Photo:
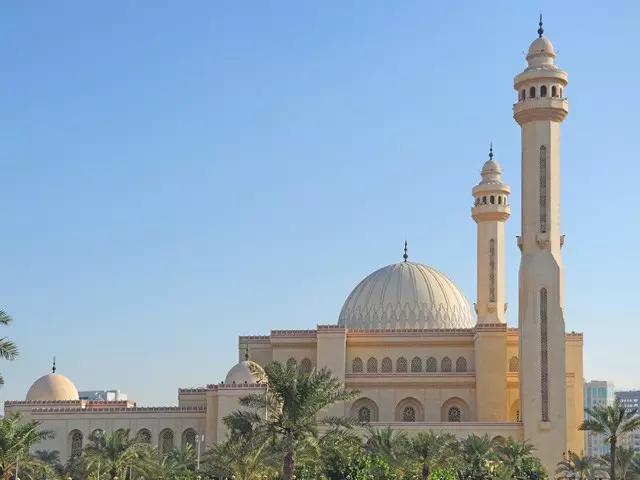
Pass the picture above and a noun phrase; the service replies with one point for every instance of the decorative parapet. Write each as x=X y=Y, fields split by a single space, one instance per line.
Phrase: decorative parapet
x=222 y=386
x=254 y=338
x=43 y=402
x=491 y=327
x=383 y=331
x=187 y=391
x=331 y=327
x=199 y=408
x=291 y=333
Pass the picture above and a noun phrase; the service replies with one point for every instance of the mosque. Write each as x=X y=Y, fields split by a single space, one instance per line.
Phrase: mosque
x=406 y=337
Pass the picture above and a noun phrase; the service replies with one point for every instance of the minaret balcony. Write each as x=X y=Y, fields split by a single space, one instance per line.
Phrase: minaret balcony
x=484 y=213
x=541 y=109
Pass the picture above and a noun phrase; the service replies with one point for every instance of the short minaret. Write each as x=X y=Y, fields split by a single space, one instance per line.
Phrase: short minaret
x=540 y=110
x=490 y=211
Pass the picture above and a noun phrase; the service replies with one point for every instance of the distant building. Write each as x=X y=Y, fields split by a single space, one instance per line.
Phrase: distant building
x=103 y=395
x=597 y=392
x=631 y=399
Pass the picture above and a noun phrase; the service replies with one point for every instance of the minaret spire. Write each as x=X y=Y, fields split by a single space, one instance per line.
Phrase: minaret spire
x=405 y=256
x=540 y=30
x=491 y=151
x=53 y=368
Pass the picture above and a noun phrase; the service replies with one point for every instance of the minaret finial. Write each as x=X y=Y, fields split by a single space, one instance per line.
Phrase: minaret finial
x=53 y=368
x=405 y=256
x=246 y=353
x=540 y=30
x=491 y=151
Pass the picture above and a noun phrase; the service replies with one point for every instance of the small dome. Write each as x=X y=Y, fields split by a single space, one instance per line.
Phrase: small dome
x=241 y=373
x=406 y=295
x=541 y=45
x=491 y=166
x=52 y=387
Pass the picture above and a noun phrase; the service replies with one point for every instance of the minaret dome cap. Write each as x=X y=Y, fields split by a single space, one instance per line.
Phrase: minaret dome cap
x=541 y=46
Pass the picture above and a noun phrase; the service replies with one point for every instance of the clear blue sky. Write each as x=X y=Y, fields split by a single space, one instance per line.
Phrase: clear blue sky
x=178 y=173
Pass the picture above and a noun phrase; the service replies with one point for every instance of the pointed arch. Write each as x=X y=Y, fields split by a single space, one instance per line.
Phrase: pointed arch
x=461 y=364
x=166 y=441
x=292 y=362
x=372 y=365
x=431 y=365
x=387 y=365
x=409 y=409
x=306 y=365
x=356 y=365
x=76 y=440
x=365 y=410
x=445 y=365
x=514 y=364
x=144 y=436
x=189 y=438
x=401 y=365
x=416 y=364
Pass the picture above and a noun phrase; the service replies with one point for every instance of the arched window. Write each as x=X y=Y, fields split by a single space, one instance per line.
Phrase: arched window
x=409 y=414
x=416 y=364
x=445 y=365
x=75 y=439
x=492 y=199
x=356 y=366
x=561 y=92
x=432 y=365
x=307 y=366
x=401 y=365
x=484 y=200
x=514 y=364
x=454 y=414
x=461 y=364
x=292 y=362
x=523 y=94
x=372 y=365
x=144 y=436
x=500 y=200
x=364 y=414
x=477 y=202
x=532 y=92
x=543 y=91
x=387 y=365
x=166 y=441
x=554 y=91
x=189 y=438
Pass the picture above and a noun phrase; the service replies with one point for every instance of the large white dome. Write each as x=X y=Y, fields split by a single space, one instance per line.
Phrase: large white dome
x=52 y=387
x=406 y=295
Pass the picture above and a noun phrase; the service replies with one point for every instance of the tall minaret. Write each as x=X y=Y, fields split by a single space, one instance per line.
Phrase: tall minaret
x=490 y=211
x=540 y=109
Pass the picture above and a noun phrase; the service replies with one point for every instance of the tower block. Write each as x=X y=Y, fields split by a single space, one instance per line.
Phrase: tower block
x=490 y=211
x=540 y=110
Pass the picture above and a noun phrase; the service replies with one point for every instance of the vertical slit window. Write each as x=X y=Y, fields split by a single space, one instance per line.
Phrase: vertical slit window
x=544 y=356
x=543 y=189
x=492 y=270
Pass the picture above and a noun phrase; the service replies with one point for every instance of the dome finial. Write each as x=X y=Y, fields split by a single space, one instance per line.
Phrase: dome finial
x=53 y=368
x=246 y=353
x=405 y=256
x=540 y=30
x=491 y=151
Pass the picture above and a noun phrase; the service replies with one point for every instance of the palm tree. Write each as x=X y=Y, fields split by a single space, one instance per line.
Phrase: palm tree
x=625 y=459
x=51 y=458
x=514 y=453
x=579 y=467
x=8 y=349
x=114 y=453
x=16 y=439
x=390 y=445
x=244 y=457
x=612 y=421
x=477 y=455
x=433 y=450
x=292 y=402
